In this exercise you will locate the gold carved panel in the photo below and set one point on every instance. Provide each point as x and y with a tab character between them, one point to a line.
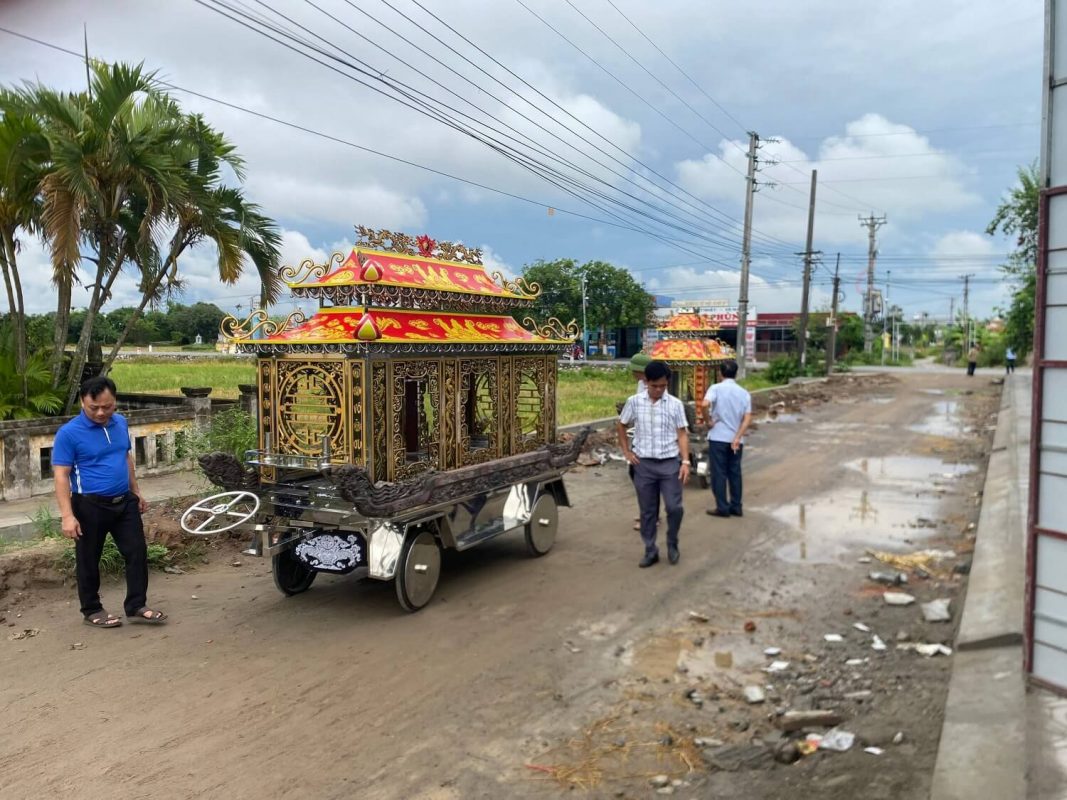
312	402
506	406
355	410
529	389
415	402
451	409
479	410
379	418
265	379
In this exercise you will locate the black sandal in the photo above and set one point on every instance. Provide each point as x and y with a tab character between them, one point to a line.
154	618
101	619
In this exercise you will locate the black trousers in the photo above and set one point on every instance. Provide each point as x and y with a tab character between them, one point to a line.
970	367
123	522
1009	366
725	471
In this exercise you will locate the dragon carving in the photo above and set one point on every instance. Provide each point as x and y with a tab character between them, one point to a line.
225	471
384	498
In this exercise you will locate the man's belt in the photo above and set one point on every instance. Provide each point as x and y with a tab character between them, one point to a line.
106	499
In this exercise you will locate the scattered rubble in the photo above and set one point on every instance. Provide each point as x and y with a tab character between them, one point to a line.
898	598
837	740
754	695
799	720
937	610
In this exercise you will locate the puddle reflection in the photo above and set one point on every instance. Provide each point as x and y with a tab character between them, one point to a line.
893	513
945	420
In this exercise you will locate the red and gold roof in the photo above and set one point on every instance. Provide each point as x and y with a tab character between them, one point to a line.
388	278
691	351
395	326
689	323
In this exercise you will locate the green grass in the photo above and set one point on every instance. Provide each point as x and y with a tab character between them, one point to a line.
757	380
166	376
591	393
585	394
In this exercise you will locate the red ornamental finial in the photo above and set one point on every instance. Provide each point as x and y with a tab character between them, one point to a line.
426	245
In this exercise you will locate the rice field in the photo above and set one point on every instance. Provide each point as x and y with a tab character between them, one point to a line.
586	393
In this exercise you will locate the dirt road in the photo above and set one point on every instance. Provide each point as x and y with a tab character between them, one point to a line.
525	674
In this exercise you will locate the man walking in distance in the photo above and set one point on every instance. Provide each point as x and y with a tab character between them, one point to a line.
97	493
972	359
1009	361
729	407
660	457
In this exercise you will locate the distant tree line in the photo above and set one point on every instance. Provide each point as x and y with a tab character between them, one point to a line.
178	324
116	179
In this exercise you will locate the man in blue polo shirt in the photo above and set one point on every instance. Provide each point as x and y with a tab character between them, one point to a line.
729	407
97	493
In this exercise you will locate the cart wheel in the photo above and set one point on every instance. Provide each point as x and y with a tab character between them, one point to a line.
703	480
541	529
291	575
418	570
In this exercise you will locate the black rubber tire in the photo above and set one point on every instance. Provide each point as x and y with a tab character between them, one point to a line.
291	575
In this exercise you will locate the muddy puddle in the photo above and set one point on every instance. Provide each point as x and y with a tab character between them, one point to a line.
786	418
896	507
944	420
699	657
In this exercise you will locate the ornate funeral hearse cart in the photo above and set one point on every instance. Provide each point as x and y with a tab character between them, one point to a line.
687	345
411	413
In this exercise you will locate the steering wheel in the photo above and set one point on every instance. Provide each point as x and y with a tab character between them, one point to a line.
232	507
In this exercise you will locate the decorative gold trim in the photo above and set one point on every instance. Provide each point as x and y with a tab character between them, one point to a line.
520	286
241	330
553	329
394	242
309	270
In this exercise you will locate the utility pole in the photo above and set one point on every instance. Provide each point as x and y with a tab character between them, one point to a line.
831	346
746	253
885	314
807	275
966	310
585	329
872	224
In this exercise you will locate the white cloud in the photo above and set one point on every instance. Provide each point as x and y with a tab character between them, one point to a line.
767	294
955	245
869	162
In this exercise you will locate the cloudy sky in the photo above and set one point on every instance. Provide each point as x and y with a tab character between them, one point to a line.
633	117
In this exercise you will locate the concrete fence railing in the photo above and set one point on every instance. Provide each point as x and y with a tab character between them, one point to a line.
157	424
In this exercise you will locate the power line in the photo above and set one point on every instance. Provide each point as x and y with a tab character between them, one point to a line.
531	120
345	142
545	97
714	102
421	103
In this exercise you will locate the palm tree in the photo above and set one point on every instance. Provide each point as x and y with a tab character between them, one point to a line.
211	212
22	152
114	176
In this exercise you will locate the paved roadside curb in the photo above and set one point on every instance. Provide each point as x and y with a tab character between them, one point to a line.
982	751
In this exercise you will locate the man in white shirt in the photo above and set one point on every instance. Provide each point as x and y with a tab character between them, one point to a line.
729	407
659	456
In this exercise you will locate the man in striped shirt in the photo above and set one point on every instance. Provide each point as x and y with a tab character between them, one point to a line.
660	457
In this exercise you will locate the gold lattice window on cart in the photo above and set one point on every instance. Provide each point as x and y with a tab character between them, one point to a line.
530	386
311	403
416	403
479	410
